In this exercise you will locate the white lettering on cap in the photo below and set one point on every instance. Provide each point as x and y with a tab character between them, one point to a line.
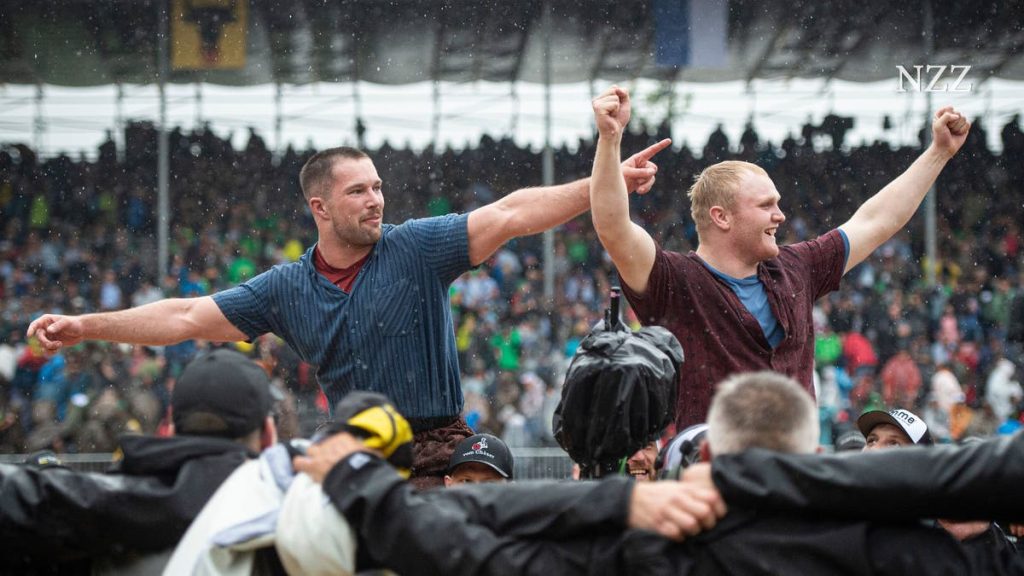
911	424
903	415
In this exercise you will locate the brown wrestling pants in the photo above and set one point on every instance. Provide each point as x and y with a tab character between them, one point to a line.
431	451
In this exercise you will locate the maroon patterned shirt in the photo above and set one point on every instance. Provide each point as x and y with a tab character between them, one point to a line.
719	336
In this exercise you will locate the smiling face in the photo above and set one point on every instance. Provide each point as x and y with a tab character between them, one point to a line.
641	463
355	204
754	218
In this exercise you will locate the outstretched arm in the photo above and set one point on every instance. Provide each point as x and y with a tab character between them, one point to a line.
533	210
525	528
890	209
978	481
672	509
160	323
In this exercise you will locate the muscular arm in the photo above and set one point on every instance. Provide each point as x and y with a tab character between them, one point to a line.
160	323
630	246
891	208
524	212
532	210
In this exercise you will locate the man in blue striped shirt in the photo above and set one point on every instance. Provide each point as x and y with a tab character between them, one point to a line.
368	304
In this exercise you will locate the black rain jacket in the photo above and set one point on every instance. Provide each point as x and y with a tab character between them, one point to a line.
56	515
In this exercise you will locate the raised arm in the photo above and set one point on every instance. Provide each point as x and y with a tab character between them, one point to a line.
533	210
891	208
630	246
160	323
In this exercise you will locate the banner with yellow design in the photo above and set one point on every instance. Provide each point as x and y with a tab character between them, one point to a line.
208	34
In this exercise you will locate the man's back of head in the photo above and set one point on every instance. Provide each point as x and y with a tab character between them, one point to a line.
762	410
223	394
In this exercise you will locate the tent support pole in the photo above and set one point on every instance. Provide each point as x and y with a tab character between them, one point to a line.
548	175
930	238
163	160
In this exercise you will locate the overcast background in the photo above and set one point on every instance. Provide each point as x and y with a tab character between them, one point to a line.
74	120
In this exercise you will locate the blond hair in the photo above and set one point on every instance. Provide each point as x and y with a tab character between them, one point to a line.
717	186
762	410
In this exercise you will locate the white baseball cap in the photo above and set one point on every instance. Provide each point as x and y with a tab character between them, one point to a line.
905	420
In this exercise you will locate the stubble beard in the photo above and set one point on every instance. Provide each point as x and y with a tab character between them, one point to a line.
357	236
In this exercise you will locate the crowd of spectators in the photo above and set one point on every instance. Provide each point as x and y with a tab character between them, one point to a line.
79	236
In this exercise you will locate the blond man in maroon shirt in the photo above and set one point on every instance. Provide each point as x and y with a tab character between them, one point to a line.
740	302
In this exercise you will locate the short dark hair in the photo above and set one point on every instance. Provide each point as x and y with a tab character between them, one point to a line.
315	175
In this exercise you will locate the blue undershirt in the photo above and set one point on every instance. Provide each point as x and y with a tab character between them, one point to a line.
752	295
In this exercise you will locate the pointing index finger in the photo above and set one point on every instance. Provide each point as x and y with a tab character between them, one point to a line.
31	329
649	152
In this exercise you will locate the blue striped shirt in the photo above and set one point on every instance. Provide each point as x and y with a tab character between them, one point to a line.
392	334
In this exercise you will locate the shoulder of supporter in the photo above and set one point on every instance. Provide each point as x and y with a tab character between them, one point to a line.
249	305
823	258
441	241
826	244
430	228
261	282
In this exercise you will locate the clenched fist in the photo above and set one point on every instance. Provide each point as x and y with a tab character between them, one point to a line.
611	111
949	130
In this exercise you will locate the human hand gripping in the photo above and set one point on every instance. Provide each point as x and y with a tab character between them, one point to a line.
674	509
949	131
55	331
362	422
323	455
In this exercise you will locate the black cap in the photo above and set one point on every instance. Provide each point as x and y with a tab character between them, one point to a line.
850	441
486	449
221	393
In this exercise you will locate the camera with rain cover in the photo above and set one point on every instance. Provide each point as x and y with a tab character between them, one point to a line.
619	393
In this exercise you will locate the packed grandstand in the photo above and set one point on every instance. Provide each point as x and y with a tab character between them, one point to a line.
77	236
